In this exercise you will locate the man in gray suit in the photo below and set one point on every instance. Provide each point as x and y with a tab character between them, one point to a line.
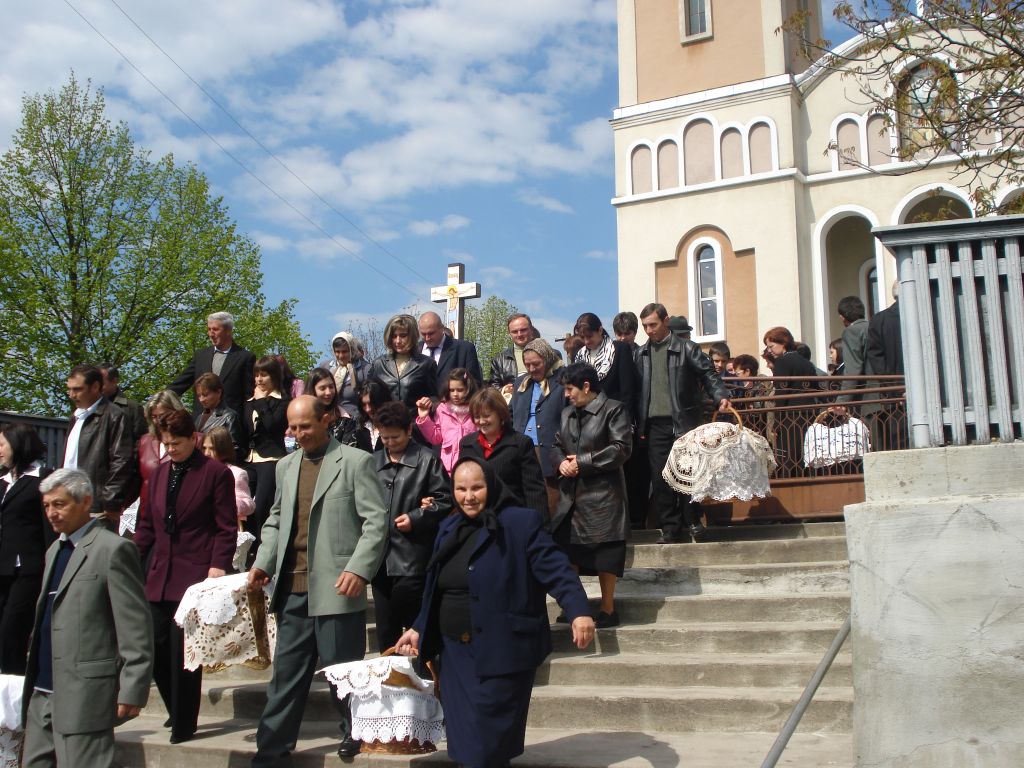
324	539
90	658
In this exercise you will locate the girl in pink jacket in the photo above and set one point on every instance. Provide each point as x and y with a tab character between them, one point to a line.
451	420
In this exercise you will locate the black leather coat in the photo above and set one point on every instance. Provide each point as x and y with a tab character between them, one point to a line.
688	369
418	378
107	455
503	369
419	474
266	421
601	438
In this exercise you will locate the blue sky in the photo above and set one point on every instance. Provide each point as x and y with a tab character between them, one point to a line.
445	130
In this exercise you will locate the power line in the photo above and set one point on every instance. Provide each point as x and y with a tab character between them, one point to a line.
265	148
240	164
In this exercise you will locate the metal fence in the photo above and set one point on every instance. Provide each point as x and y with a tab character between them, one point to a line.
52	431
962	316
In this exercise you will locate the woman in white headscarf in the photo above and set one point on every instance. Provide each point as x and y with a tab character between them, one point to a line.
349	369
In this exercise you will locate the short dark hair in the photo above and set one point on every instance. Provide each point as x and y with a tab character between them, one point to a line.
587	321
220	439
721	349
90	373
176	424
26	445
625	322
517	316
851	308
458	374
654	308
209	381
802	349
746	363
270	365
394	414
315	377
572	345
111	371
490	399
579	374
377	391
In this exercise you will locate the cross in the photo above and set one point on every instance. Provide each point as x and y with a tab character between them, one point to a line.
454	294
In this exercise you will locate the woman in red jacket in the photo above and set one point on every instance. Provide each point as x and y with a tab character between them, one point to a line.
188	534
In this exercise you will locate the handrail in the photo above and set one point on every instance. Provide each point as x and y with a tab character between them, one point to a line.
805	699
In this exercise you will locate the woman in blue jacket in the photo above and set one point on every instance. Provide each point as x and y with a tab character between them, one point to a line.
484	611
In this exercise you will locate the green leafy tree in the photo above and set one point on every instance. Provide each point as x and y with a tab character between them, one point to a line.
486	325
110	256
946	75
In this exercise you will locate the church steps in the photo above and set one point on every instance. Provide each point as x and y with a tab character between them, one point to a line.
761	578
816	549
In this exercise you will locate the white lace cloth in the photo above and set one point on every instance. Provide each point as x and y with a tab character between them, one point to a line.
827	446
385	712
243	543
720	461
128	519
10	720
220	629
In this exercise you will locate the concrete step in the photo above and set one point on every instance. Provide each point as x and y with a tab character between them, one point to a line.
629	707
754	531
770	578
815	549
736	670
808	606
142	743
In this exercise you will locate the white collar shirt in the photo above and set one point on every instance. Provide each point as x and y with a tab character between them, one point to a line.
71	451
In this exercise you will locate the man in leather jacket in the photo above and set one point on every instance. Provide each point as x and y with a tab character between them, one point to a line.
508	364
672	371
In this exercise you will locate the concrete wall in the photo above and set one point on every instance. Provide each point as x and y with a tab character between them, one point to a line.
937	580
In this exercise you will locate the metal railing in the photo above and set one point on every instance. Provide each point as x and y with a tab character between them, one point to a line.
52	431
961	302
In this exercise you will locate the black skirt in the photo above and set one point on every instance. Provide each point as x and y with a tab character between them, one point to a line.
591	559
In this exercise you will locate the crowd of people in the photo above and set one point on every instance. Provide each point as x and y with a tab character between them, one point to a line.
400	472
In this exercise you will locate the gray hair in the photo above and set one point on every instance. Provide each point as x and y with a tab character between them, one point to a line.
223	319
74	481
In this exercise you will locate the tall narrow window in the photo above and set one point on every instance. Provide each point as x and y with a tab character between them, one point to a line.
709	291
696	17
926	103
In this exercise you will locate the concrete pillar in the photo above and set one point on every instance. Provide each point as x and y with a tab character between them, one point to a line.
937	583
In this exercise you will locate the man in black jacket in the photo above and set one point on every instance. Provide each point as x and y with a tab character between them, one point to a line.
671	371
507	366
884	354
99	443
447	353
231	362
133	411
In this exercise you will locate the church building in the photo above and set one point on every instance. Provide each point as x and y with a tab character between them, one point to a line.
747	179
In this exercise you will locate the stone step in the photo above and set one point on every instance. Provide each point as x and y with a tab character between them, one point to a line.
769	578
737	670
816	549
754	531
142	743
807	606
628	707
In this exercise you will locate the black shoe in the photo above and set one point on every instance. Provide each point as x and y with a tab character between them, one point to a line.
697	532
178	738
168	723
669	538
349	747
561	618
605	620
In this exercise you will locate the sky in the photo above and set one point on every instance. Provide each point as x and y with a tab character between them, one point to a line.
365	145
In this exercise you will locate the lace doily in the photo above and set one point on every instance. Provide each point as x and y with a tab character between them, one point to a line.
225	625
243	544
826	446
720	461
128	519
10	748
366	677
11	687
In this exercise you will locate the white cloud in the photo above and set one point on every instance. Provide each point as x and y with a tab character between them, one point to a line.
498	274
600	255
449	223
454	257
534	198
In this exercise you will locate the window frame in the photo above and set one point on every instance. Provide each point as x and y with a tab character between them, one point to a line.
695	315
685	36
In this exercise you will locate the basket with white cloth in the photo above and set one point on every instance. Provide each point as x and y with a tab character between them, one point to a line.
826	446
11	731
394	710
225	625
720	461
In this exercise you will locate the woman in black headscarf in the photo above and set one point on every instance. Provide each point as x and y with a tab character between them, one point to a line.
484	611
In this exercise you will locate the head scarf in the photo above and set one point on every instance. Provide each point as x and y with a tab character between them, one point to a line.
498	498
552	362
341	373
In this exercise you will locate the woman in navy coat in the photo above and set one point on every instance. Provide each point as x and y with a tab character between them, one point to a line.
484	611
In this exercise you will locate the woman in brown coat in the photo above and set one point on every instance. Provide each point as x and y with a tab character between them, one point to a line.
592	520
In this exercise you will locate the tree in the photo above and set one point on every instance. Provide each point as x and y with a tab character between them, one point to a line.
109	256
487	327
948	77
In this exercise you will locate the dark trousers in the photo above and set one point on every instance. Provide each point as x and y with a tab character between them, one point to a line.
674	509
18	595
180	689
301	639
396	604
638	484
262	474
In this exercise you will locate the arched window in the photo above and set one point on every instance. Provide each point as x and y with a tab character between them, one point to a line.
762	155
706	291
641	165
879	143
732	154
668	165
848	145
699	152
925	103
